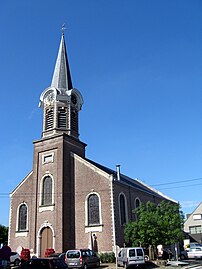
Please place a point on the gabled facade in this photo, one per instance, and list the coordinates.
(68, 201)
(193, 224)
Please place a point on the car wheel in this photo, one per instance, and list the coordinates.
(97, 264)
(182, 257)
(16, 262)
(85, 266)
(146, 257)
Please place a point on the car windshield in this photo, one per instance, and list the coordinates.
(73, 254)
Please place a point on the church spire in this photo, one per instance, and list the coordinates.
(62, 77)
(61, 102)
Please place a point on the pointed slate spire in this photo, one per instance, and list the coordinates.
(62, 77)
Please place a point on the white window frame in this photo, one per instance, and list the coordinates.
(93, 228)
(48, 155)
(49, 207)
(21, 233)
(197, 217)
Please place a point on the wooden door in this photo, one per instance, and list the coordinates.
(46, 240)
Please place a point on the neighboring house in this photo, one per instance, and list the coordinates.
(68, 201)
(193, 225)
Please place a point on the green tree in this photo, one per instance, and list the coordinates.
(155, 225)
(3, 234)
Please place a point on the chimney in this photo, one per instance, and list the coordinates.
(118, 171)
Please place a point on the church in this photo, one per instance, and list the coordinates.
(68, 201)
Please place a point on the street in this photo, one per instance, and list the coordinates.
(191, 264)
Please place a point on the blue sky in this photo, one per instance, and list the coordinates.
(138, 65)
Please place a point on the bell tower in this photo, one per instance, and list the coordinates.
(53, 158)
(61, 102)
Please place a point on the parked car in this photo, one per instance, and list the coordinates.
(59, 255)
(183, 255)
(82, 258)
(15, 259)
(195, 245)
(45, 263)
(131, 256)
(195, 253)
(62, 256)
(191, 253)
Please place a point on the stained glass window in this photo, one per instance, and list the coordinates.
(47, 191)
(22, 219)
(93, 210)
(122, 209)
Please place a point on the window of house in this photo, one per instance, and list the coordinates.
(47, 191)
(93, 210)
(197, 217)
(122, 206)
(195, 229)
(22, 218)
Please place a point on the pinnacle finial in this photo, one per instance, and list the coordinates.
(63, 28)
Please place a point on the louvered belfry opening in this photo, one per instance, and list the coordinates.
(49, 118)
(62, 117)
(74, 121)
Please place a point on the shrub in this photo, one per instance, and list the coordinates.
(107, 257)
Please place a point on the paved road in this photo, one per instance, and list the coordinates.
(190, 264)
(193, 264)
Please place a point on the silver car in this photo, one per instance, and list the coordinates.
(195, 253)
(82, 258)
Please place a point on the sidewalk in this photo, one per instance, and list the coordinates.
(147, 265)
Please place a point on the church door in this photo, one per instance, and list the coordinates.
(46, 240)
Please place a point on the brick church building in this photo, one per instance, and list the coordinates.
(68, 201)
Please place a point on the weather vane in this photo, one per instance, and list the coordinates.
(63, 28)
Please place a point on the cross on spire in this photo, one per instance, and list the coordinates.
(63, 28)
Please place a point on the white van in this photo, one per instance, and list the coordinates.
(131, 256)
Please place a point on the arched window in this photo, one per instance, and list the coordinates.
(47, 191)
(22, 218)
(122, 207)
(93, 210)
(137, 202)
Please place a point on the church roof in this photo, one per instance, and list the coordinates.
(62, 77)
(134, 183)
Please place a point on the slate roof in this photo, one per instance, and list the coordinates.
(62, 77)
(134, 183)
